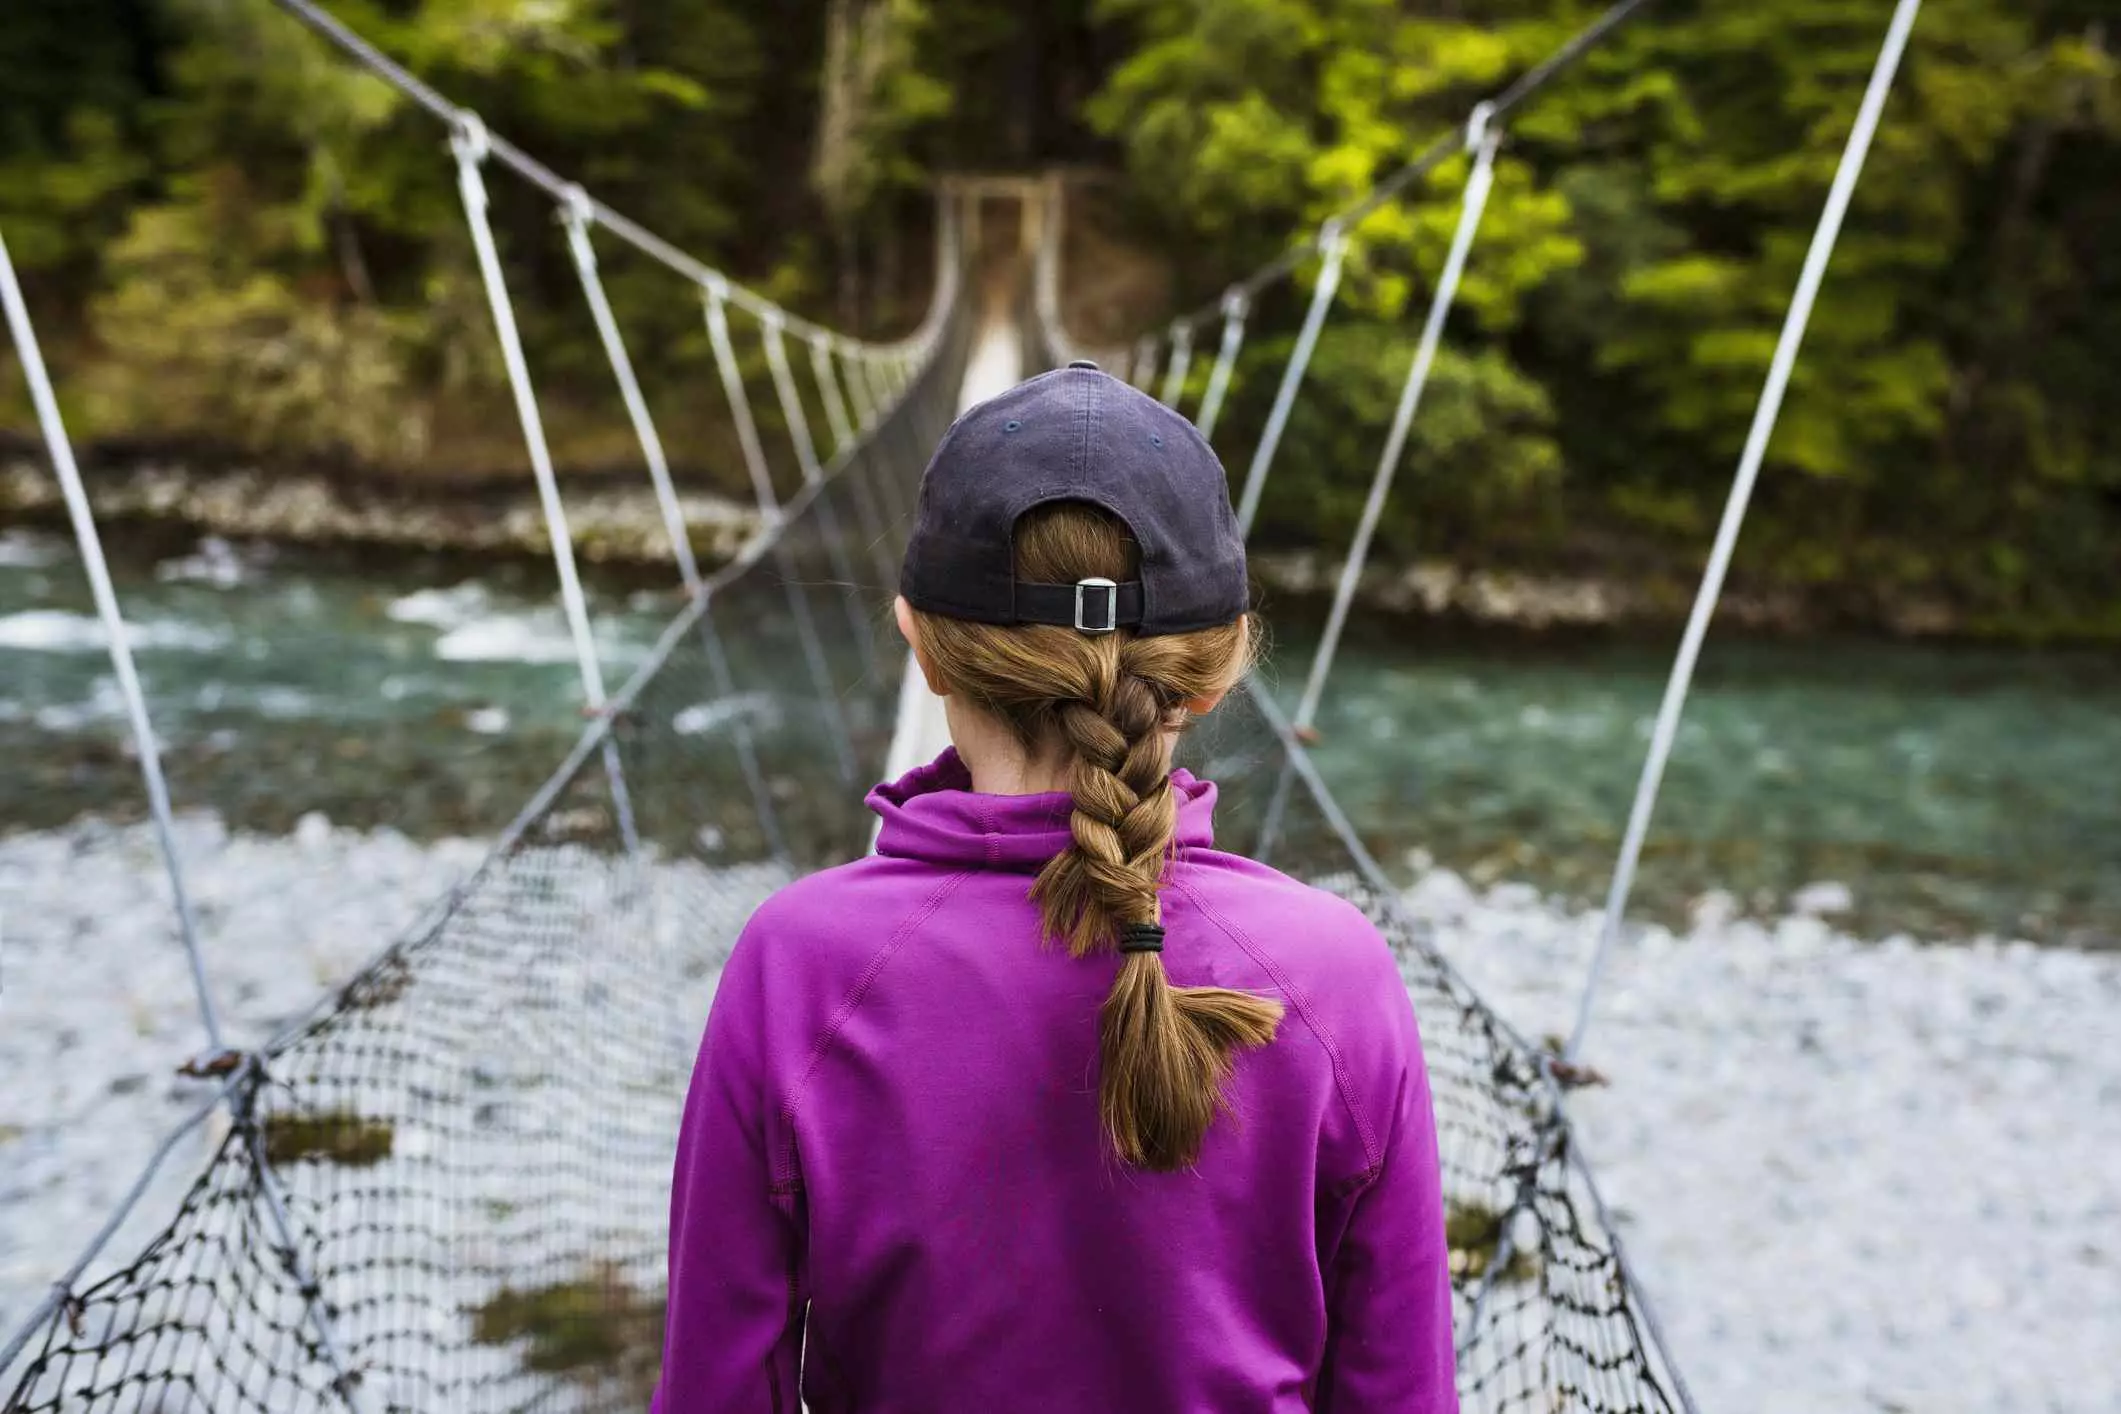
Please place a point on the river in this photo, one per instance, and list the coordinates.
(1948, 791)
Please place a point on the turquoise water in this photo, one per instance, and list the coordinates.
(1951, 790)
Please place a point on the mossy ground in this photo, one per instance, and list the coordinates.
(594, 1328)
(1473, 1233)
(327, 1136)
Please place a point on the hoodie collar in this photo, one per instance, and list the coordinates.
(933, 814)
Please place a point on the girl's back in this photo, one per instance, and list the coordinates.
(897, 1122)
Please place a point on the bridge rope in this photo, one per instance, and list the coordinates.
(1482, 139)
(61, 448)
(1233, 339)
(1765, 412)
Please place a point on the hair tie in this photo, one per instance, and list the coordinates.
(1141, 937)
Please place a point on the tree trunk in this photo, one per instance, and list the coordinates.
(346, 238)
(849, 300)
(890, 267)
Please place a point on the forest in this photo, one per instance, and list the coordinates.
(239, 246)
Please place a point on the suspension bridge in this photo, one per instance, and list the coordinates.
(444, 1184)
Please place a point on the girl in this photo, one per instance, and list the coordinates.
(1049, 1105)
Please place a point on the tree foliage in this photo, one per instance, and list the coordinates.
(1649, 217)
(233, 237)
(238, 239)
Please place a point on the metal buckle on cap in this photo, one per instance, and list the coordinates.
(1111, 589)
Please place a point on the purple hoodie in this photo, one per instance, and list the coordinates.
(892, 1174)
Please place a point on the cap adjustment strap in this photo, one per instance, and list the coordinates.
(1090, 605)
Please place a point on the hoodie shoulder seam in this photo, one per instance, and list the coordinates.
(1300, 1001)
(784, 1165)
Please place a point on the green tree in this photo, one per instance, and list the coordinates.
(1650, 214)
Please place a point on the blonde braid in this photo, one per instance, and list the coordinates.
(1125, 810)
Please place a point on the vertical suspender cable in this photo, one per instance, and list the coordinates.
(869, 409)
(1211, 403)
(576, 214)
(121, 653)
(791, 401)
(716, 299)
(858, 388)
(866, 507)
(1142, 373)
(1174, 386)
(1478, 183)
(470, 144)
(84, 524)
(1333, 248)
(883, 381)
(715, 294)
(828, 385)
(1756, 445)
(576, 217)
(883, 377)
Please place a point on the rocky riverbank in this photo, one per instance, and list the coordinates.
(1643, 595)
(1856, 1174)
(614, 519)
(607, 519)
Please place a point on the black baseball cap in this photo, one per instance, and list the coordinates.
(1076, 434)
